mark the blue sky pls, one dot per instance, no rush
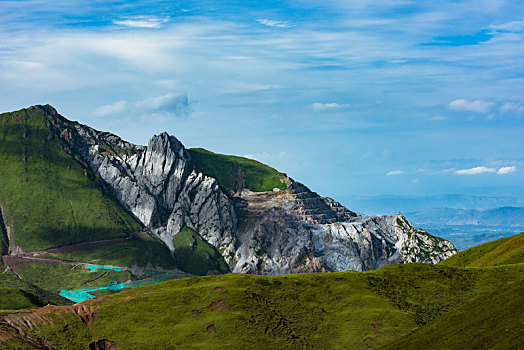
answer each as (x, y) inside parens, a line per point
(351, 98)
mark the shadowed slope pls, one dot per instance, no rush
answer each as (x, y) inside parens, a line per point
(43, 188)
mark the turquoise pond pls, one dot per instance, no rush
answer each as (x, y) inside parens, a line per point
(105, 267)
(79, 295)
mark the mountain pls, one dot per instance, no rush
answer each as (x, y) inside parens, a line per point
(470, 227)
(399, 306)
(72, 195)
(259, 220)
(413, 203)
(503, 216)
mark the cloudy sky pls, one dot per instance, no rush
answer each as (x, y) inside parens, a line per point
(350, 97)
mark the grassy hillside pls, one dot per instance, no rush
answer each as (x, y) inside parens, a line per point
(18, 294)
(500, 252)
(46, 197)
(16, 299)
(64, 276)
(196, 256)
(235, 173)
(140, 249)
(319, 311)
(492, 321)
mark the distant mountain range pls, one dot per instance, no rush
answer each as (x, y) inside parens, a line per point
(469, 227)
(503, 216)
(390, 204)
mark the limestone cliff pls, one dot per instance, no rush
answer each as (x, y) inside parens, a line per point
(275, 232)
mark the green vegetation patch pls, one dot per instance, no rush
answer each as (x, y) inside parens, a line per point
(243, 312)
(16, 299)
(503, 251)
(492, 321)
(34, 294)
(142, 250)
(426, 291)
(196, 256)
(236, 173)
(65, 276)
(47, 198)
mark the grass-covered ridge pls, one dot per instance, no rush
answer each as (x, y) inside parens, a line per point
(46, 196)
(235, 173)
(194, 255)
(349, 310)
(490, 321)
(503, 251)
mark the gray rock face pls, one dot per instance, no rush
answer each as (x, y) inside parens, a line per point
(157, 184)
(276, 232)
(297, 231)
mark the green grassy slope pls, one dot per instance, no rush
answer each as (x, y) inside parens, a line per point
(196, 256)
(503, 251)
(64, 276)
(142, 250)
(26, 291)
(46, 197)
(16, 299)
(491, 321)
(323, 311)
(235, 173)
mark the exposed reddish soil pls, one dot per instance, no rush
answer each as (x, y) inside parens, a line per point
(218, 305)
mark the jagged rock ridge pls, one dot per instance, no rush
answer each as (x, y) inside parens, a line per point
(275, 232)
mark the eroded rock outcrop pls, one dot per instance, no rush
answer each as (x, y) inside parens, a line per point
(275, 232)
(156, 183)
(298, 231)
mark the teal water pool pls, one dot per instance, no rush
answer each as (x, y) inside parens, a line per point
(82, 294)
(105, 267)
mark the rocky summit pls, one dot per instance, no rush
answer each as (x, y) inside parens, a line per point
(272, 232)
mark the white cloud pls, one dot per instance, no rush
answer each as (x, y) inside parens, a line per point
(511, 107)
(273, 23)
(477, 106)
(141, 22)
(395, 172)
(515, 26)
(507, 170)
(327, 106)
(475, 171)
(115, 108)
(168, 104)
(482, 170)
(266, 157)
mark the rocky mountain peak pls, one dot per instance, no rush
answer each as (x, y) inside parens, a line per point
(272, 232)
